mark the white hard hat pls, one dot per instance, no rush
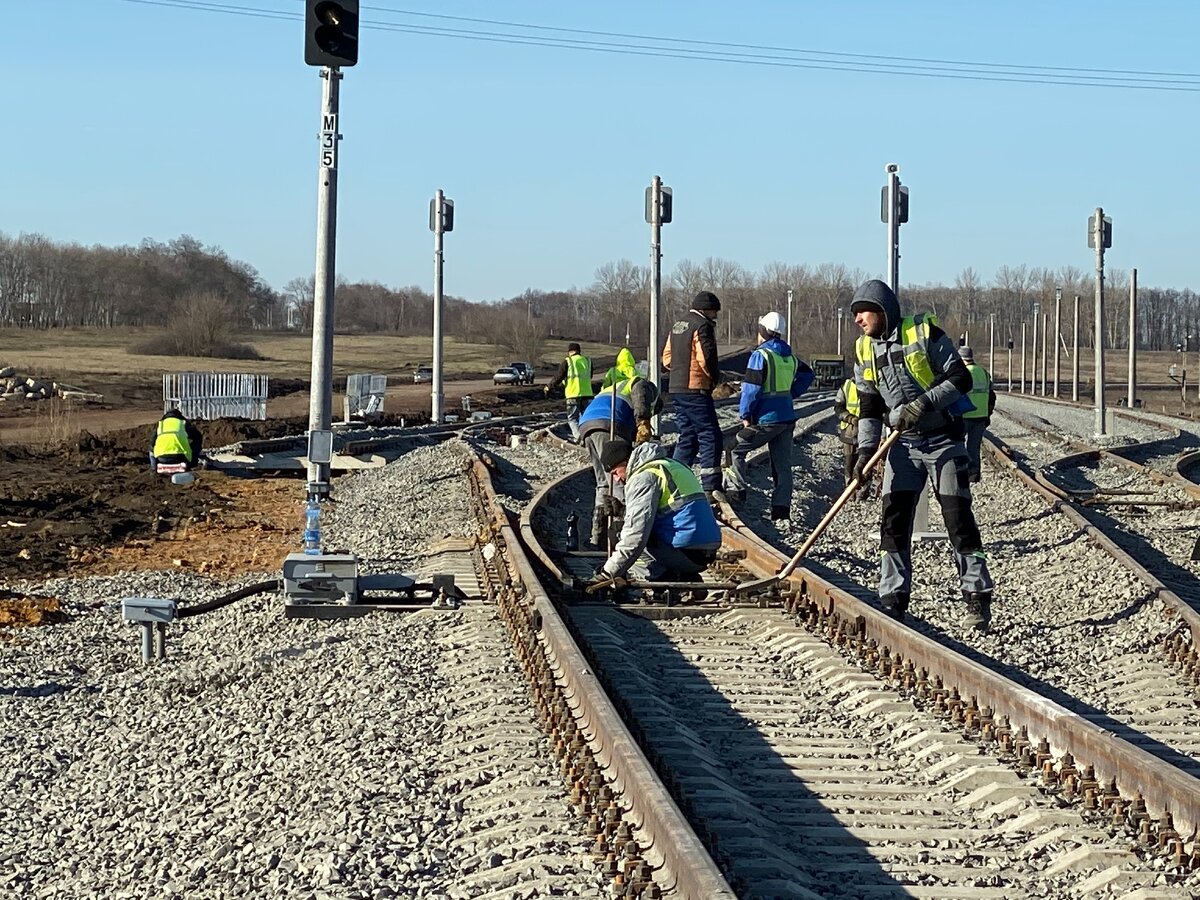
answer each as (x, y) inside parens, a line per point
(773, 321)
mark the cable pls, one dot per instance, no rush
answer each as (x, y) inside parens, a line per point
(261, 587)
(850, 62)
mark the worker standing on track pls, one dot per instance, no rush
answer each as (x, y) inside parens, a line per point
(690, 355)
(575, 375)
(983, 399)
(906, 369)
(845, 403)
(666, 516)
(774, 378)
(625, 406)
(176, 440)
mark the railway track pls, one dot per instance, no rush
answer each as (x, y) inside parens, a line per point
(806, 745)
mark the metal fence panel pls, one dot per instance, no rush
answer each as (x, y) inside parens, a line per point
(216, 395)
(364, 395)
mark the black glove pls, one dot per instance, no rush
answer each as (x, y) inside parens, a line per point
(860, 467)
(911, 413)
(613, 507)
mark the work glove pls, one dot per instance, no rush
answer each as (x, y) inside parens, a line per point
(911, 413)
(860, 467)
(644, 432)
(602, 581)
(613, 507)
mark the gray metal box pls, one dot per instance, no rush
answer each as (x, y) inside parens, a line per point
(321, 578)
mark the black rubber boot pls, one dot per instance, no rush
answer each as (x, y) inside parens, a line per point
(895, 605)
(978, 616)
(780, 513)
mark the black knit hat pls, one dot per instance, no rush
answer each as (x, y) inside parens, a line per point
(614, 452)
(574, 348)
(706, 300)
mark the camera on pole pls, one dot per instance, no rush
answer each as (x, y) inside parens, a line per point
(331, 32)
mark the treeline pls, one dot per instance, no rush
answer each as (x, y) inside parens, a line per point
(44, 284)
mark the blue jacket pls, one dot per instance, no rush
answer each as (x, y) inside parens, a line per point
(759, 409)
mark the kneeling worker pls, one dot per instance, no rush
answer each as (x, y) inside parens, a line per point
(667, 516)
(176, 440)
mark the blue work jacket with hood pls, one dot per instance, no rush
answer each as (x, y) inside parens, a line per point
(885, 383)
(767, 403)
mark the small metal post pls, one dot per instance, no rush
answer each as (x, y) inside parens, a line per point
(992, 345)
(789, 333)
(1057, 335)
(1045, 336)
(839, 330)
(1033, 350)
(1010, 367)
(1023, 357)
(320, 405)
(1098, 231)
(1075, 355)
(1131, 400)
(160, 640)
(147, 641)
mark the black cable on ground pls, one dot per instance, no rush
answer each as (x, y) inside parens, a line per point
(261, 587)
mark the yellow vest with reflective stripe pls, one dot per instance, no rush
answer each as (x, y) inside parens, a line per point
(678, 483)
(171, 437)
(853, 406)
(914, 338)
(781, 372)
(579, 377)
(981, 385)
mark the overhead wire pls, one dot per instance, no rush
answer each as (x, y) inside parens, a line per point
(776, 57)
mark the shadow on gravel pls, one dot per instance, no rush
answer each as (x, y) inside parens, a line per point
(770, 834)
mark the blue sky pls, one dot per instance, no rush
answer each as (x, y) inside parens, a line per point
(131, 120)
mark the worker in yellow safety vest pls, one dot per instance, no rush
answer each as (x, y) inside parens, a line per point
(845, 402)
(976, 420)
(575, 375)
(176, 440)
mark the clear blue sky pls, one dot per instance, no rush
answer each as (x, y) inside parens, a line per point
(129, 120)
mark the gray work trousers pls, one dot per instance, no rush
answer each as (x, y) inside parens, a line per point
(594, 441)
(778, 437)
(975, 430)
(575, 408)
(910, 462)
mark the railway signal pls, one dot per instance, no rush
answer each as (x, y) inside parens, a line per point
(331, 32)
(658, 213)
(1099, 239)
(441, 220)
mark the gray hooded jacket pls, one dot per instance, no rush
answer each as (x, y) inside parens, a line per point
(893, 386)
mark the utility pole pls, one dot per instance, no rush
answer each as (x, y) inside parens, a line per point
(659, 203)
(320, 400)
(789, 334)
(1100, 238)
(441, 220)
(1057, 335)
(1075, 355)
(1131, 400)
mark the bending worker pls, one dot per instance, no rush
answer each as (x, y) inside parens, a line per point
(907, 371)
(976, 421)
(625, 369)
(624, 406)
(774, 378)
(845, 403)
(575, 375)
(690, 355)
(176, 440)
(666, 516)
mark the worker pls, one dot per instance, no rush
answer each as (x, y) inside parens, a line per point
(176, 440)
(907, 372)
(690, 356)
(625, 369)
(979, 417)
(667, 516)
(575, 375)
(774, 378)
(624, 408)
(845, 403)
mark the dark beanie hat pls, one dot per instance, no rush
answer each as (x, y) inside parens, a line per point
(706, 300)
(614, 452)
(574, 348)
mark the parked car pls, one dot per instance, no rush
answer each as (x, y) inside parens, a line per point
(506, 375)
(423, 375)
(525, 370)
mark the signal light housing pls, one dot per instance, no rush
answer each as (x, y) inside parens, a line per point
(331, 32)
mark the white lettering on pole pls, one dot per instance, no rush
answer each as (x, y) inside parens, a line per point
(329, 140)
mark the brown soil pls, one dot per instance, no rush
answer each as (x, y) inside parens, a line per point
(21, 611)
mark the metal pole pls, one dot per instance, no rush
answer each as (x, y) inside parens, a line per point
(893, 227)
(320, 403)
(1010, 367)
(789, 334)
(1098, 229)
(435, 392)
(839, 330)
(1075, 355)
(654, 356)
(992, 345)
(1022, 357)
(1057, 335)
(1045, 336)
(1132, 398)
(1033, 348)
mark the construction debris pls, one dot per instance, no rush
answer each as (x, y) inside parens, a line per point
(18, 388)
